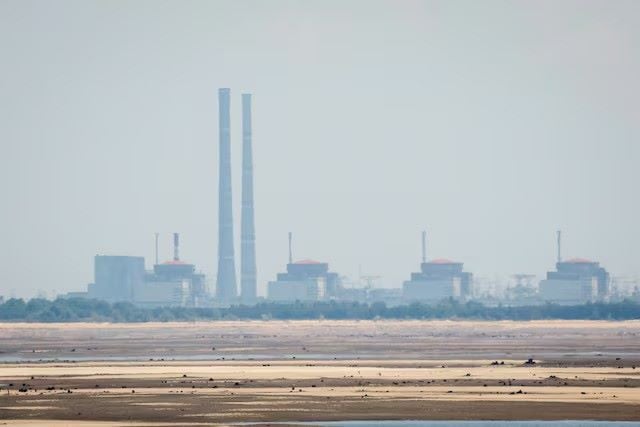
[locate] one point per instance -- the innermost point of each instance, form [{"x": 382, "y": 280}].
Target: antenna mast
[
  {"x": 157, "y": 235},
  {"x": 559, "y": 233}
]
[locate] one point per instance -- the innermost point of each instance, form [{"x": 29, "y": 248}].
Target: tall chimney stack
[
  {"x": 176, "y": 245},
  {"x": 290, "y": 253},
  {"x": 248, "y": 280},
  {"x": 424, "y": 247},
  {"x": 226, "y": 288}
]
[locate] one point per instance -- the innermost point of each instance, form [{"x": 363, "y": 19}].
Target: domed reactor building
[
  {"x": 575, "y": 281},
  {"x": 172, "y": 283},
  {"x": 437, "y": 280},
  {"x": 305, "y": 280}
]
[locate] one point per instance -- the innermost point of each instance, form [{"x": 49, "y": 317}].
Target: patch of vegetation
[{"x": 89, "y": 310}]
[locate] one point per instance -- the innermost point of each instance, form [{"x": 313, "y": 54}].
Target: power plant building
[
  {"x": 575, "y": 281},
  {"x": 124, "y": 279},
  {"x": 305, "y": 280},
  {"x": 116, "y": 277},
  {"x": 437, "y": 280},
  {"x": 172, "y": 283},
  {"x": 154, "y": 293}
]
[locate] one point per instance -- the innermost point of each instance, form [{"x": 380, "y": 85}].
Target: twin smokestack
[{"x": 226, "y": 287}]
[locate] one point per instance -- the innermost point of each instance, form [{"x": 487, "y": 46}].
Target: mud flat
[{"x": 261, "y": 372}]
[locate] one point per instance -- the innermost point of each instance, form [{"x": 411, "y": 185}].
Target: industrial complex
[
  {"x": 171, "y": 283},
  {"x": 178, "y": 283}
]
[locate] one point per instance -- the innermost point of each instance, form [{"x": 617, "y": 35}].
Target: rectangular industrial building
[
  {"x": 569, "y": 291},
  {"x": 305, "y": 280},
  {"x": 575, "y": 281},
  {"x": 431, "y": 291},
  {"x": 312, "y": 289},
  {"x": 437, "y": 280},
  {"x": 116, "y": 277},
  {"x": 162, "y": 293}
]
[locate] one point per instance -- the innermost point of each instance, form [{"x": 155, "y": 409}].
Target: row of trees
[{"x": 86, "y": 310}]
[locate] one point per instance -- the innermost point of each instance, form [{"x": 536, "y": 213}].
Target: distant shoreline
[
  {"x": 96, "y": 311},
  {"x": 595, "y": 323}
]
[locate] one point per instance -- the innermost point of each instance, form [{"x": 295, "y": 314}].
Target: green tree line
[{"x": 90, "y": 310}]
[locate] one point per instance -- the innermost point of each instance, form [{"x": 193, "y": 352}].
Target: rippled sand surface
[{"x": 259, "y": 372}]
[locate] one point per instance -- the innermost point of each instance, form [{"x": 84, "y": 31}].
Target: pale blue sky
[{"x": 489, "y": 123}]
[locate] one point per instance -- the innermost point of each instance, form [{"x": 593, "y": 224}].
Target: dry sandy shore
[{"x": 230, "y": 372}]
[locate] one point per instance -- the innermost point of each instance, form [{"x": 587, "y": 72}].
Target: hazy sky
[{"x": 489, "y": 123}]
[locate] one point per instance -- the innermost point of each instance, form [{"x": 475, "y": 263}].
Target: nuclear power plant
[
  {"x": 123, "y": 278},
  {"x": 176, "y": 283}
]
